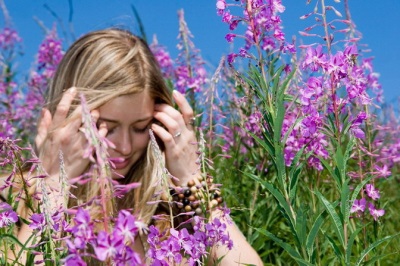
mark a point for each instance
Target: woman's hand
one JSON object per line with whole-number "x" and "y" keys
{"x": 58, "y": 133}
{"x": 181, "y": 149}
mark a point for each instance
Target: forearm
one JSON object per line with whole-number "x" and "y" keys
{"x": 241, "y": 253}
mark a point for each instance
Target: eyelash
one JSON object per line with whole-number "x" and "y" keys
{"x": 141, "y": 130}
{"x": 136, "y": 130}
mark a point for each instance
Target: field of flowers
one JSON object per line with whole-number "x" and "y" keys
{"x": 299, "y": 136}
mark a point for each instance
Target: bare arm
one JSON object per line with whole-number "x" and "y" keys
{"x": 242, "y": 253}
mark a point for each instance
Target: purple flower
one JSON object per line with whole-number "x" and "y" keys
{"x": 358, "y": 205}
{"x": 7, "y": 215}
{"x": 8, "y": 38}
{"x": 170, "y": 251}
{"x": 383, "y": 171}
{"x": 315, "y": 58}
{"x": 74, "y": 260}
{"x": 356, "y": 123}
{"x": 108, "y": 245}
{"x": 230, "y": 37}
{"x": 37, "y": 222}
{"x": 125, "y": 226}
{"x": 82, "y": 231}
{"x": 372, "y": 192}
{"x": 231, "y": 58}
{"x": 374, "y": 212}
{"x": 163, "y": 58}
{"x": 221, "y": 4}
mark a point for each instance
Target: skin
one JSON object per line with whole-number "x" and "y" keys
{"x": 128, "y": 131}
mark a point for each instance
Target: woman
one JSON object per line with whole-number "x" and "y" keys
{"x": 120, "y": 79}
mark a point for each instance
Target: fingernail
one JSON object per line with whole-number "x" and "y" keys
{"x": 175, "y": 92}
{"x": 72, "y": 90}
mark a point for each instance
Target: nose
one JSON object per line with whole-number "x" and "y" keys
{"x": 124, "y": 144}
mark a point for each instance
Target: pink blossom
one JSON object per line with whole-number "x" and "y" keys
{"x": 358, "y": 205}
{"x": 372, "y": 192}
{"x": 221, "y": 4}
{"x": 375, "y": 212}
{"x": 7, "y": 215}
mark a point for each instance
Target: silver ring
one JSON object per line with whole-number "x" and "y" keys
{"x": 177, "y": 134}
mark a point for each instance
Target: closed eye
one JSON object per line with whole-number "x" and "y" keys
{"x": 141, "y": 130}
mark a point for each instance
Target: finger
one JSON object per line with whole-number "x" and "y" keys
{"x": 43, "y": 127}
{"x": 95, "y": 115}
{"x": 184, "y": 107}
{"x": 164, "y": 135}
{"x": 103, "y": 129}
{"x": 170, "y": 111}
{"x": 169, "y": 122}
{"x": 64, "y": 106}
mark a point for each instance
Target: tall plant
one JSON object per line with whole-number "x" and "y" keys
{"x": 316, "y": 126}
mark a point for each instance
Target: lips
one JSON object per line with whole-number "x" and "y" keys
{"x": 120, "y": 163}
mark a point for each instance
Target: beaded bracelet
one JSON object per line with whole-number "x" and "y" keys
{"x": 199, "y": 197}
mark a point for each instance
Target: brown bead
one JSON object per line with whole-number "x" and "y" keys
{"x": 195, "y": 204}
{"x": 191, "y": 183}
{"x": 214, "y": 203}
{"x": 193, "y": 189}
{"x": 198, "y": 211}
{"x": 188, "y": 208}
{"x": 181, "y": 196}
{"x": 192, "y": 198}
{"x": 200, "y": 178}
{"x": 220, "y": 200}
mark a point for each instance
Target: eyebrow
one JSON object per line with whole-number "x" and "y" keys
{"x": 109, "y": 120}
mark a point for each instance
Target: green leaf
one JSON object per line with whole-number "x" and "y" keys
{"x": 378, "y": 258}
{"x": 336, "y": 249}
{"x": 301, "y": 225}
{"x": 330, "y": 170}
{"x": 338, "y": 226}
{"x": 372, "y": 246}
{"x": 292, "y": 252}
{"x": 265, "y": 144}
{"x": 278, "y": 196}
{"x": 140, "y": 23}
{"x": 340, "y": 164}
{"x": 351, "y": 242}
{"x": 315, "y": 229}
{"x": 344, "y": 202}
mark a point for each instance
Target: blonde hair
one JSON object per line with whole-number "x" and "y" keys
{"x": 103, "y": 65}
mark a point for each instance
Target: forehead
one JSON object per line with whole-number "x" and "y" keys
{"x": 128, "y": 107}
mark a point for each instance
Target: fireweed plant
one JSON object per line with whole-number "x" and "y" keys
{"x": 309, "y": 161}
{"x": 313, "y": 117}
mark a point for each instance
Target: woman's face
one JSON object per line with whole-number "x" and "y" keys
{"x": 128, "y": 119}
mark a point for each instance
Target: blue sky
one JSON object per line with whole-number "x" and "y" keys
{"x": 377, "y": 20}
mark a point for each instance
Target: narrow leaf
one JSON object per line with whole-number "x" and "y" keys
{"x": 338, "y": 226}
{"x": 292, "y": 252}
